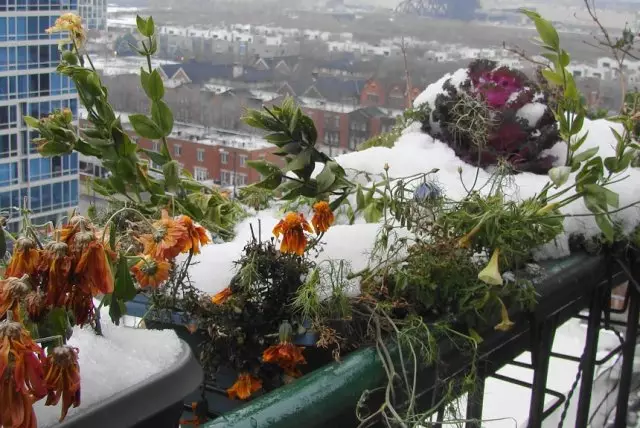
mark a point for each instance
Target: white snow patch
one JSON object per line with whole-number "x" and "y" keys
{"x": 122, "y": 358}
{"x": 532, "y": 113}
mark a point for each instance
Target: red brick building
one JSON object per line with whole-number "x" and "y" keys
{"x": 208, "y": 154}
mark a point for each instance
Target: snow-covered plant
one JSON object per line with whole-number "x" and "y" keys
{"x": 496, "y": 114}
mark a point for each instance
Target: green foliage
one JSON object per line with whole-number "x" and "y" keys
{"x": 388, "y": 139}
{"x": 147, "y": 189}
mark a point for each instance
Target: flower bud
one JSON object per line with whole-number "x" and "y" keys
{"x": 491, "y": 273}
{"x": 559, "y": 175}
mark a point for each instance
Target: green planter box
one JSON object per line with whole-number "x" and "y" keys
{"x": 328, "y": 396}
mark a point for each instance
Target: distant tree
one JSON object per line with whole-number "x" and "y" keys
{"x": 464, "y": 10}
{"x": 122, "y": 45}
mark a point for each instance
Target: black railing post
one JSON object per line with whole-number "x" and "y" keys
{"x": 628, "y": 350}
{"x": 588, "y": 360}
{"x": 542, "y": 335}
{"x": 475, "y": 401}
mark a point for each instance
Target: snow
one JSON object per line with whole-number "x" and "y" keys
{"x": 120, "y": 359}
{"x": 415, "y": 153}
{"x": 532, "y": 113}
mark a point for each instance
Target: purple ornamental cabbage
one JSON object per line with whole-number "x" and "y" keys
{"x": 497, "y": 93}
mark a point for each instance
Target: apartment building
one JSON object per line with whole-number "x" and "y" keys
{"x": 30, "y": 85}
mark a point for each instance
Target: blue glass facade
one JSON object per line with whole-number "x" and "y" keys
{"x": 29, "y": 85}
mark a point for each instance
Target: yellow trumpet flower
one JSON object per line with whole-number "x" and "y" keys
{"x": 505, "y": 324}
{"x": 491, "y": 273}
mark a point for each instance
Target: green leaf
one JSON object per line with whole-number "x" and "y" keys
{"x": 564, "y": 59}
{"x": 553, "y": 77}
{"x": 56, "y": 323}
{"x": 171, "y": 171}
{"x": 587, "y": 154}
{"x": 334, "y": 205}
{"x": 299, "y": 162}
{"x": 162, "y": 116}
{"x": 264, "y": 167}
{"x": 145, "y": 127}
{"x": 144, "y": 80}
{"x": 325, "y": 179}
{"x": 609, "y": 197}
{"x": 278, "y": 138}
{"x": 155, "y": 157}
{"x": 150, "y": 27}
{"x": 576, "y": 126}
{"x": 547, "y": 32}
{"x": 271, "y": 182}
{"x": 606, "y": 226}
{"x": 124, "y": 288}
{"x": 372, "y": 213}
{"x": 359, "y": 198}
{"x": 155, "y": 87}
{"x": 31, "y": 121}
{"x": 141, "y": 23}
{"x": 611, "y": 163}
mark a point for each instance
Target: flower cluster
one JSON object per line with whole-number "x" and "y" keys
{"x": 497, "y": 115}
{"x": 27, "y": 376}
{"x": 293, "y": 226}
{"x": 67, "y": 273}
{"x": 71, "y": 24}
{"x": 168, "y": 238}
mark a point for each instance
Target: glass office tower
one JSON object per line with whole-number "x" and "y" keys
{"x": 93, "y": 13}
{"x": 29, "y": 85}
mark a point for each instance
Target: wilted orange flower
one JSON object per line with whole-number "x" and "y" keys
{"x": 322, "y": 216}
{"x": 222, "y": 296}
{"x": 196, "y": 234}
{"x": 12, "y": 291}
{"x": 21, "y": 360}
{"x": 35, "y": 304}
{"x": 168, "y": 239}
{"x": 24, "y": 259}
{"x": 72, "y": 24}
{"x": 151, "y": 272}
{"x": 81, "y": 304}
{"x": 286, "y": 355}
{"x": 62, "y": 377}
{"x": 244, "y": 387}
{"x": 76, "y": 224}
{"x": 16, "y": 407}
{"x": 292, "y": 228}
{"x": 55, "y": 263}
{"x": 93, "y": 268}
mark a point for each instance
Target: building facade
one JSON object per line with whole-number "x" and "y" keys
{"x": 30, "y": 85}
{"x": 93, "y": 13}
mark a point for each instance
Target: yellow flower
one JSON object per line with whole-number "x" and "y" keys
{"x": 491, "y": 273}
{"x": 244, "y": 387}
{"x": 322, "y": 216}
{"x": 151, "y": 272}
{"x": 505, "y": 324}
{"x": 72, "y": 24}
{"x": 292, "y": 228}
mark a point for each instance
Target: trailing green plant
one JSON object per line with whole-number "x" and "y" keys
{"x": 388, "y": 139}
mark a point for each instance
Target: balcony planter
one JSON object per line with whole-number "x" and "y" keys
{"x": 155, "y": 401}
{"x": 328, "y": 395}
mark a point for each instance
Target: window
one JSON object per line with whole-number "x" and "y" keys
{"x": 156, "y": 146}
{"x": 224, "y": 157}
{"x": 225, "y": 177}
{"x": 243, "y": 160}
{"x": 177, "y": 149}
{"x": 200, "y": 174}
{"x": 373, "y": 98}
{"x": 336, "y": 120}
{"x": 200, "y": 155}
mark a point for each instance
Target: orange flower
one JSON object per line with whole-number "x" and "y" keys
{"x": 167, "y": 240}
{"x": 286, "y": 355}
{"x": 12, "y": 291}
{"x": 63, "y": 378}
{"x": 322, "y": 216}
{"x": 197, "y": 235}
{"x": 35, "y": 305}
{"x": 292, "y": 228}
{"x": 55, "y": 263}
{"x": 93, "y": 270}
{"x": 151, "y": 272}
{"x": 244, "y": 387}
{"x": 81, "y": 304}
{"x": 76, "y": 224}
{"x": 21, "y": 360}
{"x": 24, "y": 259}
{"x": 16, "y": 407}
{"x": 222, "y": 296}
